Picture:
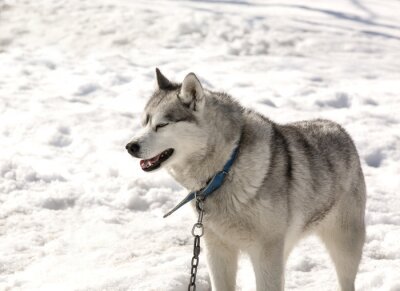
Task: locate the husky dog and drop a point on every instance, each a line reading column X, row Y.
column 287, row 181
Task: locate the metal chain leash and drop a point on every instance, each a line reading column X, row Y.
column 197, row 232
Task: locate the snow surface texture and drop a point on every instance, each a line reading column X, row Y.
column 77, row 213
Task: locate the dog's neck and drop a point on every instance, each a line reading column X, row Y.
column 194, row 172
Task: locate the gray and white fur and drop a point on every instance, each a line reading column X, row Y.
column 288, row 181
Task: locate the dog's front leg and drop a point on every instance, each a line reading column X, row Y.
column 222, row 262
column 268, row 264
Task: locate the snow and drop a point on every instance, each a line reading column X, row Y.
column 77, row 213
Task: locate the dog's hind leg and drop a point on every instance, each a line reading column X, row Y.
column 222, row 262
column 344, row 239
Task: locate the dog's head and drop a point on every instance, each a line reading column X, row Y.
column 171, row 124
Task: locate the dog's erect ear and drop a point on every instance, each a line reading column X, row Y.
column 191, row 92
column 162, row 82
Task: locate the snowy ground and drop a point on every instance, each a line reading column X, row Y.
column 77, row 213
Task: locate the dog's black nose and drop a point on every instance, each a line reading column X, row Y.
column 133, row 148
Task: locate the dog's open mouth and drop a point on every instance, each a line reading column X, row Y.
column 155, row 162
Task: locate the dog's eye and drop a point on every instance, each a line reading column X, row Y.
column 161, row 125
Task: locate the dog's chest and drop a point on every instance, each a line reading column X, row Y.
column 231, row 227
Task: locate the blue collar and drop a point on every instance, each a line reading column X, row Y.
column 214, row 183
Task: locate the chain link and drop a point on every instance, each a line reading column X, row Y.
column 197, row 232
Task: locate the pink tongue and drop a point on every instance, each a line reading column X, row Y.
column 149, row 162
column 155, row 159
